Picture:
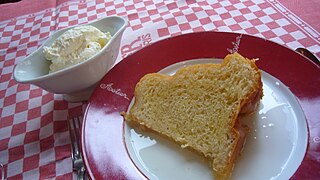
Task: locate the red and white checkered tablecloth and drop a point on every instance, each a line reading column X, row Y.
column 34, row 138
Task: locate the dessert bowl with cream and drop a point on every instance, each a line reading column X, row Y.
column 73, row 60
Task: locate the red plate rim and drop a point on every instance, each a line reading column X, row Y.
column 103, row 146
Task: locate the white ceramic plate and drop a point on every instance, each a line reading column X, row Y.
column 274, row 148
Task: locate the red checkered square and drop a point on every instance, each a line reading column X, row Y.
column 47, row 171
column 18, row 129
column 46, row 143
column 16, row 153
column 31, row 162
column 46, row 119
column 60, row 126
column 9, row 100
column 6, row 121
column 32, row 136
column 163, row 32
column 269, row 34
column 64, row 176
column 4, row 144
column 64, row 151
column 184, row 26
column 21, row 106
column 34, row 113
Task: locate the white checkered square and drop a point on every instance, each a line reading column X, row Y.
column 215, row 18
column 22, row 96
column 20, row 117
column 4, row 156
column 225, row 3
column 25, row 35
column 61, row 139
column 282, row 22
column 31, row 149
column 46, row 130
column 73, row 8
column 47, row 157
column 33, row 124
column 9, row 28
column 194, row 24
column 7, row 111
column 5, row 39
column 5, row 132
column 245, row 25
column 7, row 70
column 277, row 40
column 250, row 16
column 21, row 21
column 11, row 55
column 181, row 19
column 3, row 86
column 81, row 21
column 279, row 31
column 135, row 22
column 17, row 32
column 254, row 8
column 200, row 14
column 27, row 25
column 92, row 13
column 14, row 43
column 239, row 6
column 235, row 13
column 221, row 10
column 15, row 168
column 230, row 21
column 63, row 14
column 32, row 174
column 262, row 28
column 294, row 45
column 265, row 19
column 35, row 102
column 45, row 29
column 11, row 90
column 174, row 29
column 269, row 11
column 315, row 48
column 91, row 4
column 121, row 10
column 298, row 35
column 36, row 26
column 46, row 108
column 16, row 140
column 63, row 166
column 139, row 5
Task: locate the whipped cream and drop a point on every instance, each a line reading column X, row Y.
column 75, row 46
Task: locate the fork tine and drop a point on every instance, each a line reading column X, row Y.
column 72, row 138
column 76, row 125
column 74, row 128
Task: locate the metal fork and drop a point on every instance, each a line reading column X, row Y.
column 74, row 125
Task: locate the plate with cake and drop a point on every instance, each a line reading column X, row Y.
column 206, row 105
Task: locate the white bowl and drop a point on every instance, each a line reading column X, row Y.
column 78, row 81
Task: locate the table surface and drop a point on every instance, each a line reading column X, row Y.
column 34, row 137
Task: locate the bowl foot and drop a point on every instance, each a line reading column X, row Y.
column 78, row 96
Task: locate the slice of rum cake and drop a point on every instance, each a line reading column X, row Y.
column 199, row 107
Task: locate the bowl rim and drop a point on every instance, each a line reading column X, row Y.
column 70, row 68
